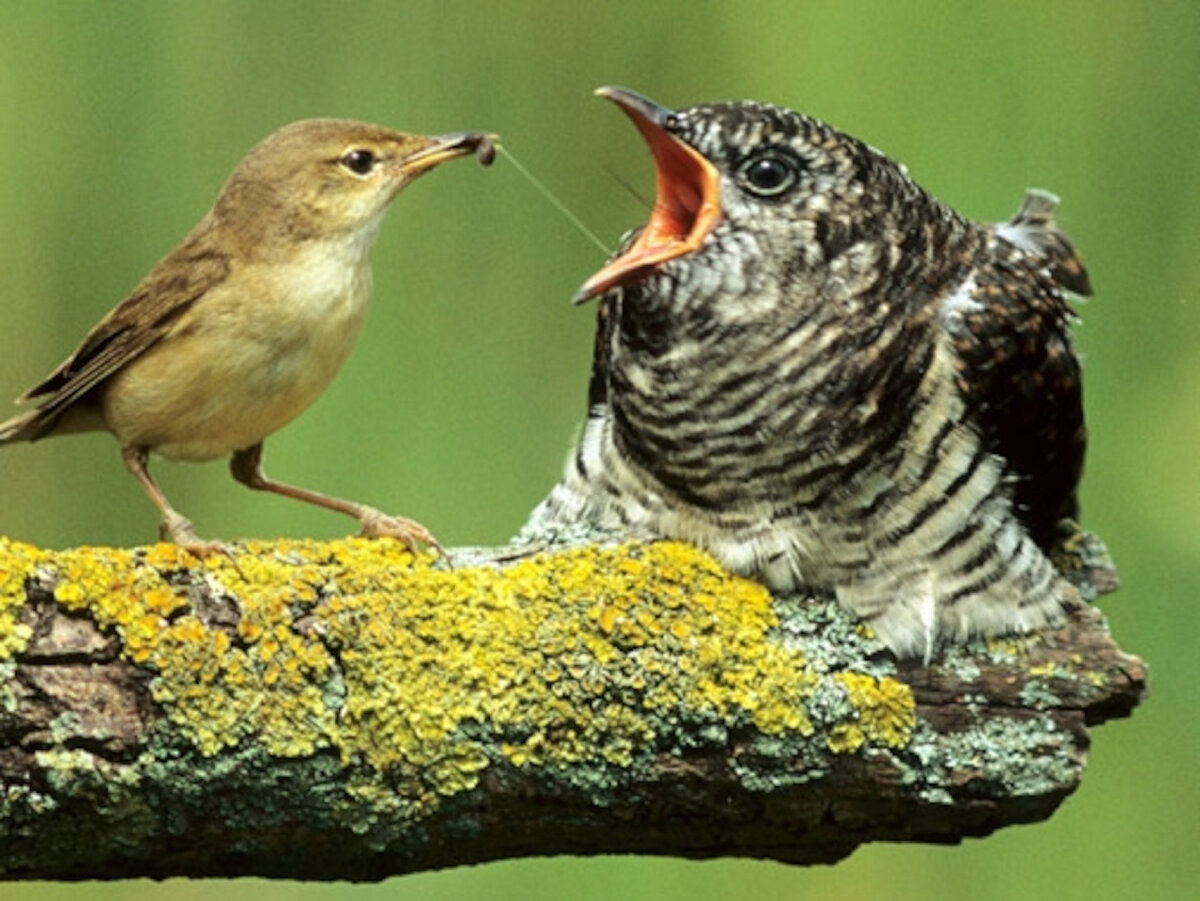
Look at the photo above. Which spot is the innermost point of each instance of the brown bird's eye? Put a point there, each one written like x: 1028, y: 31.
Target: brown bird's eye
x: 360, y: 161
x: 769, y: 174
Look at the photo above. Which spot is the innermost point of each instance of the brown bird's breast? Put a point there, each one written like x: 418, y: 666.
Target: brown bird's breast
x: 247, y: 359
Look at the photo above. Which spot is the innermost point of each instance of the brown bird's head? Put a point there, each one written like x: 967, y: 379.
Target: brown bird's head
x: 754, y: 199
x: 325, y: 178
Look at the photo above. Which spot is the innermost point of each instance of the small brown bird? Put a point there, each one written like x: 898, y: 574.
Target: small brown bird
x: 243, y: 325
x: 810, y: 366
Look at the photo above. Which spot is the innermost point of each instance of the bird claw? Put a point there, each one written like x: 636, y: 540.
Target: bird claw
x: 377, y: 524
x: 179, y: 531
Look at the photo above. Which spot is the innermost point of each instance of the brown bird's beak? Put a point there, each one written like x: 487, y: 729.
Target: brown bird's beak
x: 447, y: 147
x: 687, y: 199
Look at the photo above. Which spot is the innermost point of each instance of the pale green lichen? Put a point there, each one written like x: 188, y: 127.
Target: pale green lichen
x: 1006, y: 757
x: 1036, y: 695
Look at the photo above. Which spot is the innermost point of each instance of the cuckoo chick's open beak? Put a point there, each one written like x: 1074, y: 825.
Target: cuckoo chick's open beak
x: 687, y: 199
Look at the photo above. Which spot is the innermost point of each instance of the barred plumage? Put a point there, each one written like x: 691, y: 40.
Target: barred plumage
x: 811, y: 367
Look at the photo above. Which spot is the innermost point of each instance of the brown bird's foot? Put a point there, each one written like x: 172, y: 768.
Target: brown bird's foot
x: 246, y: 467
x: 174, y: 526
x: 178, y: 530
x: 377, y: 524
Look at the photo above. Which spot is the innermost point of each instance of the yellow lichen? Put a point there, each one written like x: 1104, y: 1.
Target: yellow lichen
x: 1014, y: 647
x: 884, y: 713
x: 414, y: 671
x: 569, y: 655
x: 17, y: 564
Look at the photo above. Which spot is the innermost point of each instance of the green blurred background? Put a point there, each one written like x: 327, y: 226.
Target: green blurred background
x: 118, y: 122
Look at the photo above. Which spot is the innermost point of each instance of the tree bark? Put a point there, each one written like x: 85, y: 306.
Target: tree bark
x: 340, y: 710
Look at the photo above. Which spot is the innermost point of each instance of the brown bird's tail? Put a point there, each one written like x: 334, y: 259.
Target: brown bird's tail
x: 58, y: 413
x: 26, y: 427
x: 1033, y: 228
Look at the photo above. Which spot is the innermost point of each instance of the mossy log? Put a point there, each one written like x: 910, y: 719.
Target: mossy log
x: 341, y: 710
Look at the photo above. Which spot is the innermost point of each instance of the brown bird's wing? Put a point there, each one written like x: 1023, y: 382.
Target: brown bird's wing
x: 1020, y: 379
x: 135, y: 325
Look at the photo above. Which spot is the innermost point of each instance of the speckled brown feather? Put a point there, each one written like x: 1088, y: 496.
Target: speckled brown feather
x: 1020, y: 377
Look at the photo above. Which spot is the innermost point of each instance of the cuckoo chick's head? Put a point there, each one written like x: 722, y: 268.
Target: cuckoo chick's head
x: 754, y: 199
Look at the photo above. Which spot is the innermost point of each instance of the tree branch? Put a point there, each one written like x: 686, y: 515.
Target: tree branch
x: 340, y: 711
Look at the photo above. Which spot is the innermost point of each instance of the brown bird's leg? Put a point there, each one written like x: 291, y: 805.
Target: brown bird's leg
x: 246, y: 466
x: 174, y: 526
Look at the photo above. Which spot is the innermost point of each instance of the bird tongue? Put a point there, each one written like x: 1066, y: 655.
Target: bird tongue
x: 686, y: 204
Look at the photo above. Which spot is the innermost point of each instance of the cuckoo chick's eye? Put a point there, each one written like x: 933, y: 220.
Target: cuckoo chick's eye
x: 360, y: 161
x: 769, y: 174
